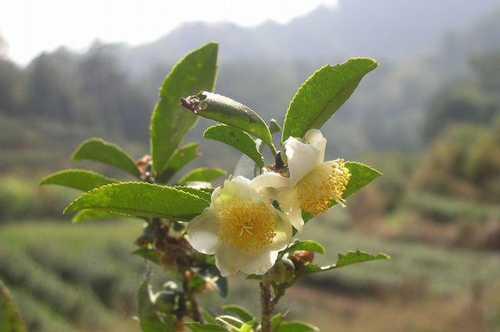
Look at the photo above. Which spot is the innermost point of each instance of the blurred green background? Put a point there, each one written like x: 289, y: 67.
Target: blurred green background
x: 429, y: 118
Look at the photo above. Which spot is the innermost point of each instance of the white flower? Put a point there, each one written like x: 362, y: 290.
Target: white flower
x: 313, y: 183
x: 241, y: 227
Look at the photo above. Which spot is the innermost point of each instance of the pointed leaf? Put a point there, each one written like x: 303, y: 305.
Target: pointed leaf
x: 10, y: 319
x: 77, y: 179
x: 361, y: 175
x: 96, y: 149
x: 349, y: 258
x: 180, y: 158
x: 237, y: 139
x: 202, y: 174
x: 230, y: 112
x: 141, y: 199
x: 170, y: 122
x: 322, y: 94
x: 308, y: 245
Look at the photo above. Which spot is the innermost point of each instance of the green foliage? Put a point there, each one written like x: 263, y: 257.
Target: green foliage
x: 296, y: 327
x: 237, y: 139
x: 439, y: 208
x: 202, y: 174
x: 165, y: 236
x: 308, y: 245
x: 459, y: 103
x: 239, y: 312
x: 96, y: 149
x: 10, y: 318
x: 361, y: 176
x: 22, y: 198
x: 323, y: 94
x: 140, y: 199
x: 169, y: 124
x: 230, y: 112
x: 149, y: 319
x: 463, y: 163
x: 77, y: 179
x: 93, y: 215
x: 197, y: 327
x: 349, y: 258
x: 180, y: 158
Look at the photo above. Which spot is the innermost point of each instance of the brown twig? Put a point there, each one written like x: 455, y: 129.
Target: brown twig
x: 267, y: 306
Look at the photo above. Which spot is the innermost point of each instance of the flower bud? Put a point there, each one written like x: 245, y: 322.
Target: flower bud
x: 282, y: 272
x: 165, y: 301
x: 302, y: 257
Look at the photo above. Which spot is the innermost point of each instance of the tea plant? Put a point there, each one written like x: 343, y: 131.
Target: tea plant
x: 246, y: 226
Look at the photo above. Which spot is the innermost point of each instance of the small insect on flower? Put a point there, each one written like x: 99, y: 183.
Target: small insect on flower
x: 241, y: 227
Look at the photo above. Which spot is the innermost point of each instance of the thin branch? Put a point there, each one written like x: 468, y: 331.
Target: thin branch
x: 267, y: 306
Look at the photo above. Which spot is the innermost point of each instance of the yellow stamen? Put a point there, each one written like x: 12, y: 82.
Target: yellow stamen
x: 324, y: 184
x: 248, y: 226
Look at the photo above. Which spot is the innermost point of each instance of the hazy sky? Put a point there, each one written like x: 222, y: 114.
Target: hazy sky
x: 31, y: 26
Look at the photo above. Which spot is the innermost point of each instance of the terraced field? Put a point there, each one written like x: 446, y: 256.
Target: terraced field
x: 82, y: 278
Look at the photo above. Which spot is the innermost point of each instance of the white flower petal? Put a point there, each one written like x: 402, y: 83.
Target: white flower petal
x: 202, y: 232
x: 284, y: 233
x: 269, y: 180
x: 260, y: 264
x: 229, y: 260
x: 290, y: 206
x: 237, y: 187
x: 302, y: 158
x: 316, y: 139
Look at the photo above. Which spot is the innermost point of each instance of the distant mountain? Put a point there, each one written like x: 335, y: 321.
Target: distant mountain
x: 385, y: 29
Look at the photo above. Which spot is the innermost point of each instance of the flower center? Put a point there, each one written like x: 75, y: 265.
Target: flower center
x: 324, y: 184
x: 248, y: 226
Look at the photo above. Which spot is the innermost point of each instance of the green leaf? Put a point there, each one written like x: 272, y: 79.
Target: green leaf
x: 349, y: 258
x: 361, y: 175
x: 77, y: 179
x: 238, y: 311
x: 180, y: 158
x: 209, y: 318
x: 170, y: 122
x: 247, y: 327
x: 297, y: 327
x: 237, y: 139
x: 148, y: 254
x: 202, y: 174
x: 322, y: 94
x: 197, y: 327
x: 148, y: 318
x: 228, y: 111
x: 203, y: 194
x: 10, y: 318
x: 276, y: 321
x: 141, y: 199
x: 274, y: 126
x: 308, y: 245
x: 97, y: 215
x: 96, y: 149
